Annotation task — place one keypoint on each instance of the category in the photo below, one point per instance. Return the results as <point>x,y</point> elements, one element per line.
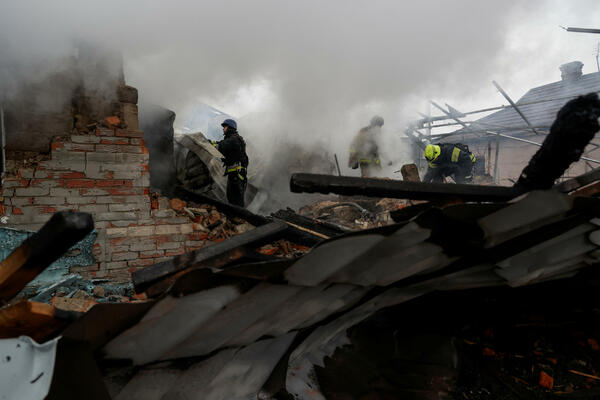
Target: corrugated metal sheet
<point>542,236</point>
<point>541,114</point>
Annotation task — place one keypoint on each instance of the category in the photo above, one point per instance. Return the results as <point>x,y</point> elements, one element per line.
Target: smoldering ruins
<point>126,274</point>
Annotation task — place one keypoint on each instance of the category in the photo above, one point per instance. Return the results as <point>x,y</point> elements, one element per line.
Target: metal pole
<point>337,164</point>
<point>512,103</point>
<point>496,174</point>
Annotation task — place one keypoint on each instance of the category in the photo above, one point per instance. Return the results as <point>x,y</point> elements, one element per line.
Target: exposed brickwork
<point>106,174</point>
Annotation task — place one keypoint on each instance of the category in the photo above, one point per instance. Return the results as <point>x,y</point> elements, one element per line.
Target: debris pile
<point>450,295</point>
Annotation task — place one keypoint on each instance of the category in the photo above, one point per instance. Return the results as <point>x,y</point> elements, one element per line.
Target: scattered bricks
<point>110,183</point>
<point>116,232</point>
<point>48,200</point>
<point>114,140</point>
<point>25,173</point>
<point>105,132</point>
<point>140,231</point>
<point>167,229</point>
<point>124,256</point>
<point>32,192</point>
<point>98,291</point>
<point>80,183</point>
<point>145,245</point>
<point>113,120</point>
<point>44,183</point>
<point>85,139</point>
<point>168,245</point>
<point>115,216</point>
<point>114,265</point>
<point>131,133</point>
<point>152,254</point>
<point>177,204</point>
<point>94,208</point>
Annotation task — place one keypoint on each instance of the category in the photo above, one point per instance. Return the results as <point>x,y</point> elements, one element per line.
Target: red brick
<point>126,133</point>
<point>80,183</point>
<point>171,253</point>
<point>113,120</point>
<point>17,211</point>
<point>115,141</point>
<point>56,145</point>
<point>121,192</point>
<point>141,262</point>
<point>109,182</point>
<point>152,254</point>
<point>105,132</point>
<point>72,175</point>
<point>47,210</point>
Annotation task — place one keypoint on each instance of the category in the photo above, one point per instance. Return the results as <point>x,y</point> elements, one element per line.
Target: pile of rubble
<point>408,309</point>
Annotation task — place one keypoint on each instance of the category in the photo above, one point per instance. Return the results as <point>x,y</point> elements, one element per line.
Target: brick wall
<point>106,174</point>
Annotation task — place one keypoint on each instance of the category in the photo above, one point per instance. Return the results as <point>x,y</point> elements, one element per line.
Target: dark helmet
<point>377,121</point>
<point>230,123</point>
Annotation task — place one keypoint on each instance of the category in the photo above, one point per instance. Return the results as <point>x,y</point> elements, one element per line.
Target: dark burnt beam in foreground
<point>574,127</point>
<point>350,186</point>
<point>37,252</point>
<point>213,256</point>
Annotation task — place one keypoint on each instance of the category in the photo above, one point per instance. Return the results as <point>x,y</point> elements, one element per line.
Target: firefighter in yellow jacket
<point>364,150</point>
<point>448,159</point>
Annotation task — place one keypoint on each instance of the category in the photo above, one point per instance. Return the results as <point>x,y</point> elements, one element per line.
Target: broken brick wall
<point>106,174</point>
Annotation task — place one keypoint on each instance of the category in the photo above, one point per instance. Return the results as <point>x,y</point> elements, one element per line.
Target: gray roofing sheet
<point>540,114</point>
<point>351,278</point>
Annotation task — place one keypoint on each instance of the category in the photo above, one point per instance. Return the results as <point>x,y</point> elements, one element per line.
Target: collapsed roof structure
<point>232,320</point>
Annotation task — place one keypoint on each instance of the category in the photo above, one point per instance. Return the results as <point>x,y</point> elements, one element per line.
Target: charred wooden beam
<point>578,182</point>
<point>347,185</point>
<point>58,235</point>
<point>319,227</point>
<point>575,126</point>
<point>216,255</point>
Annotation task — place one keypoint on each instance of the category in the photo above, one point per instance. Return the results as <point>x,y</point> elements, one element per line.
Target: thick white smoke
<point>305,72</point>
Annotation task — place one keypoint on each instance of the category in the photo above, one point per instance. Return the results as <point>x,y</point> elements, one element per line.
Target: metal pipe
<point>2,144</point>
<point>581,30</point>
<point>512,103</point>
<point>496,174</point>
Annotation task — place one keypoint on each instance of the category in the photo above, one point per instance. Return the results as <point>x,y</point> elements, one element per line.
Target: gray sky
<point>313,70</point>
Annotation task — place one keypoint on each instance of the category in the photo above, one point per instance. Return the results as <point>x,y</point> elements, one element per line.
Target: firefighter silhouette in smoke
<point>364,150</point>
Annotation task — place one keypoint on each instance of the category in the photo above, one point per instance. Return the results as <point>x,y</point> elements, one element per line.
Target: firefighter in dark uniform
<point>448,159</point>
<point>233,148</point>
